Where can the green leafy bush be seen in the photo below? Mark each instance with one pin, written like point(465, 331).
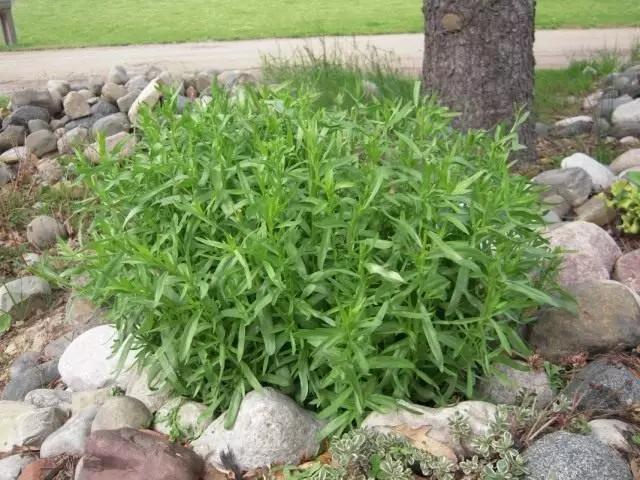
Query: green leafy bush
point(348, 256)
point(625, 198)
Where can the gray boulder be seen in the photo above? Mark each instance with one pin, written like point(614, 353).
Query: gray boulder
point(12, 136)
point(625, 129)
point(604, 385)
point(606, 106)
point(43, 231)
point(45, 397)
point(32, 379)
point(270, 428)
point(608, 320)
point(72, 437)
point(118, 75)
point(104, 108)
point(85, 122)
point(111, 125)
point(6, 174)
point(36, 125)
point(11, 467)
point(567, 456)
point(41, 142)
point(112, 92)
point(36, 98)
point(572, 184)
point(506, 392)
point(122, 412)
point(125, 103)
point(22, 115)
point(95, 84)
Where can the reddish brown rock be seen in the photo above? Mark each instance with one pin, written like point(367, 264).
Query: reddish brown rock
point(38, 470)
point(627, 270)
point(136, 455)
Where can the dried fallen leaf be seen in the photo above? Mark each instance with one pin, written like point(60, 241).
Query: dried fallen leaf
point(635, 468)
point(419, 439)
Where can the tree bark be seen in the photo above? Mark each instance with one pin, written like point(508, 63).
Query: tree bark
point(478, 60)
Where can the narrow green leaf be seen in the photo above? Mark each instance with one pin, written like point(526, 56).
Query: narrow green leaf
point(389, 362)
point(384, 273)
point(432, 338)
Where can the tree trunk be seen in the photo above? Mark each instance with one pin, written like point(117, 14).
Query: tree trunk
point(478, 60)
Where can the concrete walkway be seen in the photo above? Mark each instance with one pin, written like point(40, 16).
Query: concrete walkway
point(553, 49)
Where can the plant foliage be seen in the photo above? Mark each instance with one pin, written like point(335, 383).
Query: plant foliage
point(625, 198)
point(348, 256)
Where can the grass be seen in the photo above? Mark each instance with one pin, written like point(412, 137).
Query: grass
point(119, 22)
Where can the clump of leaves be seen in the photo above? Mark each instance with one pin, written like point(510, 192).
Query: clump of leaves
point(625, 198)
point(347, 256)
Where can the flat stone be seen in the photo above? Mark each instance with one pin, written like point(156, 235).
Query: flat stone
point(139, 389)
point(269, 428)
point(41, 142)
point(44, 231)
point(89, 364)
point(76, 106)
point(35, 98)
point(498, 392)
point(613, 433)
point(23, 115)
point(568, 456)
point(629, 159)
point(75, 138)
point(121, 145)
point(9, 413)
point(32, 379)
point(627, 270)
point(608, 320)
point(112, 92)
point(122, 412)
point(601, 176)
point(478, 414)
point(118, 75)
point(572, 184)
point(23, 296)
point(12, 136)
point(136, 455)
point(11, 467)
point(596, 210)
point(32, 427)
point(89, 398)
point(629, 112)
point(189, 418)
point(72, 437)
point(111, 125)
point(46, 397)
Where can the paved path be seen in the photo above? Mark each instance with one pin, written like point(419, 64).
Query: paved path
point(553, 49)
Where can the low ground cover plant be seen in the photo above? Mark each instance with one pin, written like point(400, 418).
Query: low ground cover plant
point(348, 255)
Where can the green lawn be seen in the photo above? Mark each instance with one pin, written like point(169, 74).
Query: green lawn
point(66, 23)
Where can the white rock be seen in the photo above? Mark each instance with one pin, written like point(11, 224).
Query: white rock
point(592, 100)
point(190, 418)
point(139, 388)
point(43, 231)
point(612, 432)
point(270, 428)
point(629, 112)
point(71, 438)
point(11, 467)
point(151, 94)
point(76, 106)
point(478, 414)
point(89, 362)
point(567, 122)
point(9, 413)
point(629, 141)
point(89, 398)
point(601, 176)
point(629, 159)
point(15, 155)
